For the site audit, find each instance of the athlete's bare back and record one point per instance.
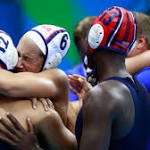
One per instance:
(45, 122)
(22, 109)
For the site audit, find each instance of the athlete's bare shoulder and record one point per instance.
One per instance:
(58, 77)
(109, 96)
(55, 74)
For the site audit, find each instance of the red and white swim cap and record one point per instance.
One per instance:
(115, 29)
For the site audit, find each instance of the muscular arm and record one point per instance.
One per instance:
(26, 84)
(138, 62)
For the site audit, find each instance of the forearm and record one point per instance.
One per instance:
(61, 107)
(75, 107)
(25, 85)
(133, 65)
(73, 110)
(136, 63)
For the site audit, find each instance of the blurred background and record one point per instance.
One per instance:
(18, 16)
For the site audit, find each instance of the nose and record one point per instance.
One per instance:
(19, 64)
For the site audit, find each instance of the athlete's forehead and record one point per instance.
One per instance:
(27, 47)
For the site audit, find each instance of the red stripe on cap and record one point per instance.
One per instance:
(50, 35)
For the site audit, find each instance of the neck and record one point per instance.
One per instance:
(110, 73)
(110, 65)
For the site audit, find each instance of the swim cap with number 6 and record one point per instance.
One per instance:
(53, 41)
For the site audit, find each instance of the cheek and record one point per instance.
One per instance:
(29, 67)
(34, 67)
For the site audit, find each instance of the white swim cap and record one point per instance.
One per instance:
(8, 52)
(53, 41)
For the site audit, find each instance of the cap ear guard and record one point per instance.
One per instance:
(96, 35)
(90, 73)
(57, 49)
(53, 61)
(12, 55)
(8, 52)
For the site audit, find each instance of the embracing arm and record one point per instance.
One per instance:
(26, 84)
(52, 83)
(138, 62)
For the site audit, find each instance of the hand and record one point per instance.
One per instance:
(80, 86)
(15, 135)
(47, 103)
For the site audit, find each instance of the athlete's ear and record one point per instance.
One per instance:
(142, 43)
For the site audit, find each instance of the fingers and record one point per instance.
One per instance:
(76, 76)
(7, 125)
(11, 133)
(80, 82)
(49, 102)
(30, 126)
(34, 103)
(44, 102)
(8, 138)
(77, 81)
(14, 121)
(86, 85)
(74, 90)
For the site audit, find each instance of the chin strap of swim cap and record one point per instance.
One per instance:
(90, 73)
